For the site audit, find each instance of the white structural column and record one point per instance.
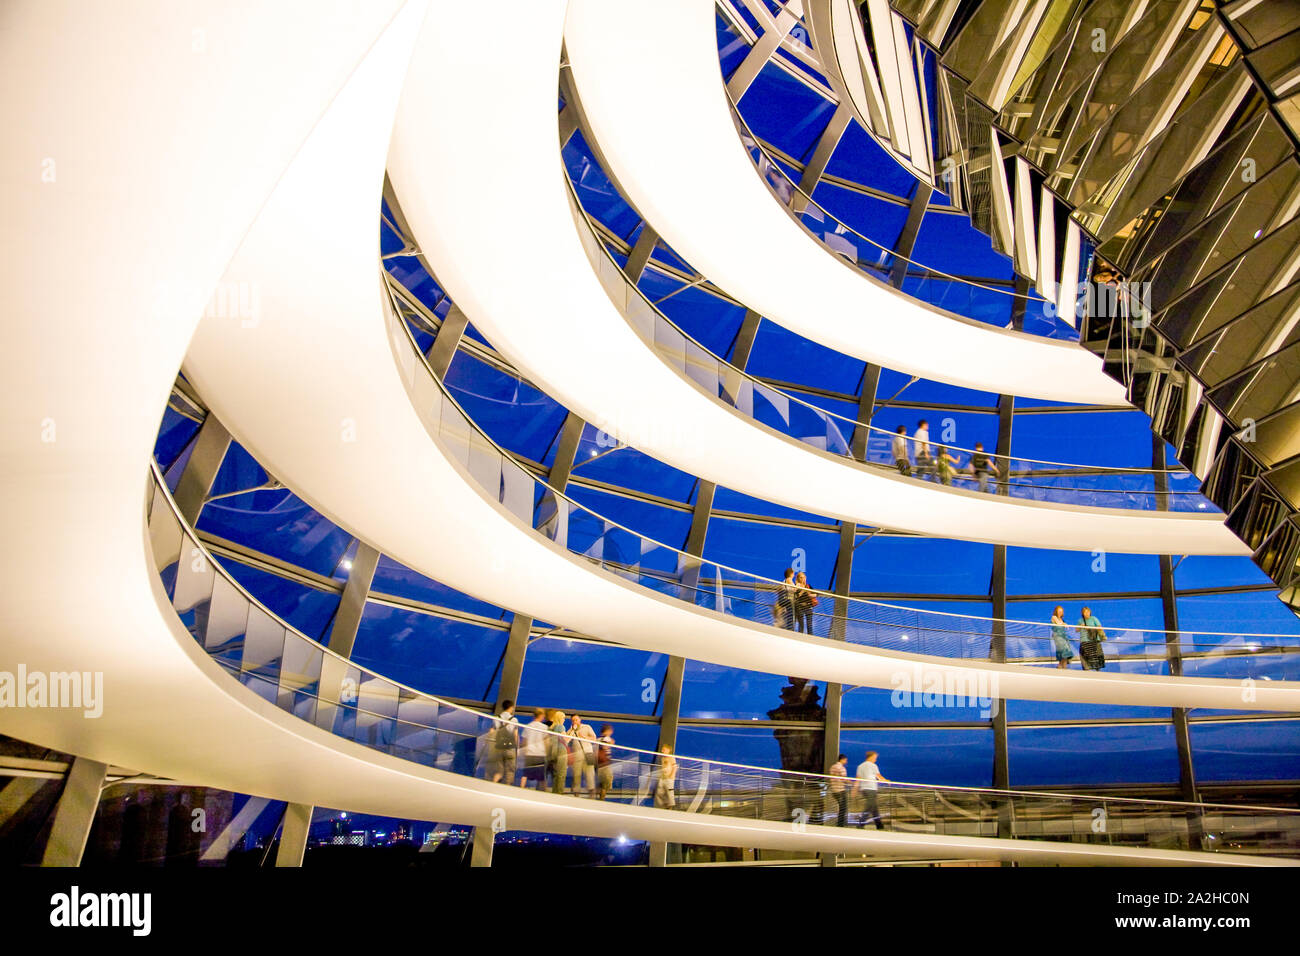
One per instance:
(551, 316)
(663, 123)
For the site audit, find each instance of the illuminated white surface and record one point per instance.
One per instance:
(344, 427)
(651, 88)
(494, 223)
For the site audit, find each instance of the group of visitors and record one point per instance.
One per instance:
(866, 785)
(795, 601)
(1090, 634)
(918, 456)
(553, 747)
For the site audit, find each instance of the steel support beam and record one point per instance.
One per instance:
(200, 471)
(1173, 651)
(445, 343)
(670, 695)
(568, 121)
(15, 795)
(1023, 286)
(998, 643)
(480, 853)
(821, 157)
(293, 834)
(758, 55)
(744, 344)
(75, 813)
(347, 619)
(911, 229)
(512, 662)
(234, 830)
(639, 257)
(566, 454)
(866, 408)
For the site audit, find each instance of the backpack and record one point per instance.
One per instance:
(556, 746)
(504, 737)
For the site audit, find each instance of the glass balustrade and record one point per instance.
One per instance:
(967, 469)
(304, 678)
(752, 598)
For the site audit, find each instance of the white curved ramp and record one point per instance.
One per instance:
(652, 92)
(549, 314)
(346, 437)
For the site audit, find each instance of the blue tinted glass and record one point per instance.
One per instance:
(656, 522)
(397, 580)
(782, 356)
(1134, 753)
(859, 158)
(173, 436)
(239, 471)
(1254, 750)
(1035, 710)
(908, 702)
(1244, 612)
(1213, 571)
(949, 756)
(898, 564)
(711, 321)
(784, 112)
(583, 676)
(517, 416)
(1044, 571)
(725, 499)
(877, 219)
(718, 692)
(305, 608)
(433, 654)
(898, 388)
(767, 549)
(949, 242)
(732, 48)
(281, 525)
(597, 460)
(1114, 439)
(757, 747)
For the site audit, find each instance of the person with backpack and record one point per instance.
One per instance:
(604, 762)
(505, 745)
(584, 756)
(557, 752)
(899, 447)
(1090, 637)
(981, 466)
